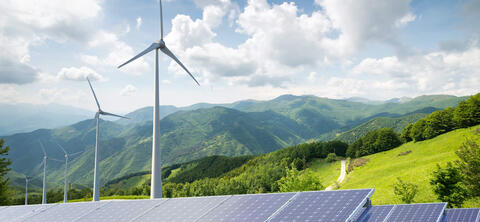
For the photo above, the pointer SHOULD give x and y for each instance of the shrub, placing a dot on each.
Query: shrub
(405, 191)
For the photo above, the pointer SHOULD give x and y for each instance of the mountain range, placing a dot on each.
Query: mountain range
(189, 133)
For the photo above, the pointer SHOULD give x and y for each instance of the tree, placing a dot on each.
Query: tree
(406, 133)
(331, 157)
(405, 191)
(416, 133)
(469, 164)
(438, 122)
(447, 185)
(295, 180)
(4, 163)
(467, 112)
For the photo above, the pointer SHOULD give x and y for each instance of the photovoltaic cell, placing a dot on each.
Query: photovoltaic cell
(375, 213)
(324, 205)
(19, 213)
(181, 209)
(121, 210)
(254, 207)
(66, 212)
(417, 212)
(464, 215)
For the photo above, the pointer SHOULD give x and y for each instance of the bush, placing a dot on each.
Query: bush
(295, 180)
(405, 191)
(447, 185)
(331, 157)
(469, 164)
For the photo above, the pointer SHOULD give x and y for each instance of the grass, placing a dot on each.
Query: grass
(383, 168)
(327, 172)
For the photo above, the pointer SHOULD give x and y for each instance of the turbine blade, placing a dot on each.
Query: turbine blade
(73, 154)
(171, 55)
(61, 147)
(150, 48)
(95, 96)
(43, 148)
(161, 20)
(111, 114)
(55, 160)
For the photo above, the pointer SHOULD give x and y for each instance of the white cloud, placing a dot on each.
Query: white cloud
(78, 74)
(166, 81)
(139, 23)
(25, 23)
(405, 20)
(128, 90)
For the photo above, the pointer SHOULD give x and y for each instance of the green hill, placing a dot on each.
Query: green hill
(382, 169)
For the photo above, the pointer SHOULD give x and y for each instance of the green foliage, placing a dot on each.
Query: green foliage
(438, 122)
(405, 191)
(468, 112)
(295, 180)
(469, 164)
(447, 185)
(4, 163)
(406, 133)
(375, 141)
(331, 157)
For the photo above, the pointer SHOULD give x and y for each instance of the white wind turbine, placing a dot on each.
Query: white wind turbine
(96, 188)
(156, 183)
(65, 191)
(45, 158)
(27, 178)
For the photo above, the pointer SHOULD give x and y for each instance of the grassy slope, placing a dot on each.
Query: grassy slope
(383, 168)
(327, 172)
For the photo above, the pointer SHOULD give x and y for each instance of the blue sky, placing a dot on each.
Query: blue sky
(237, 49)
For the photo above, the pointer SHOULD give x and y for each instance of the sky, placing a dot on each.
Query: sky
(255, 49)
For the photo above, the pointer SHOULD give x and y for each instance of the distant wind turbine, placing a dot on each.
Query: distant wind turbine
(45, 158)
(27, 178)
(96, 188)
(156, 183)
(65, 191)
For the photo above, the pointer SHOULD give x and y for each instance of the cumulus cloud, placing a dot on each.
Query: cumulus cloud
(24, 24)
(128, 90)
(78, 74)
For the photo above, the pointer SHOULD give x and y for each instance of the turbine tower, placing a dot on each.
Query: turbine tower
(156, 183)
(96, 188)
(27, 178)
(45, 158)
(65, 191)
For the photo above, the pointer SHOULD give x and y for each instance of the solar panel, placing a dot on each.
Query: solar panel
(251, 207)
(121, 210)
(66, 212)
(181, 209)
(417, 212)
(339, 205)
(465, 215)
(19, 213)
(375, 213)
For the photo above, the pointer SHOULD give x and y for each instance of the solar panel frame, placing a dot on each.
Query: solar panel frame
(66, 211)
(248, 207)
(375, 213)
(18, 213)
(402, 212)
(317, 205)
(121, 210)
(187, 208)
(462, 214)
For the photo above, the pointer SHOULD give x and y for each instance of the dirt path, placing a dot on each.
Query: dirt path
(341, 177)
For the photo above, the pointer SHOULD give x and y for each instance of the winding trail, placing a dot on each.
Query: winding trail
(341, 177)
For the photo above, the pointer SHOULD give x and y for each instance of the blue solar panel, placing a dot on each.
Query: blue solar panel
(121, 210)
(66, 212)
(375, 213)
(340, 205)
(464, 215)
(19, 213)
(254, 207)
(181, 209)
(417, 212)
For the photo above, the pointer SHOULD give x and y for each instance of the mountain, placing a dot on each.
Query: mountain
(17, 118)
(246, 128)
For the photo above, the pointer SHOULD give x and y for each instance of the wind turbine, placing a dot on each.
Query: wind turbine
(65, 198)
(45, 158)
(27, 178)
(96, 188)
(156, 183)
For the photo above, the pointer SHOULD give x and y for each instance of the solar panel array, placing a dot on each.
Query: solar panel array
(341, 205)
(465, 215)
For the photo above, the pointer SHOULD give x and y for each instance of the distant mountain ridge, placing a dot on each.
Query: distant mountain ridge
(241, 128)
